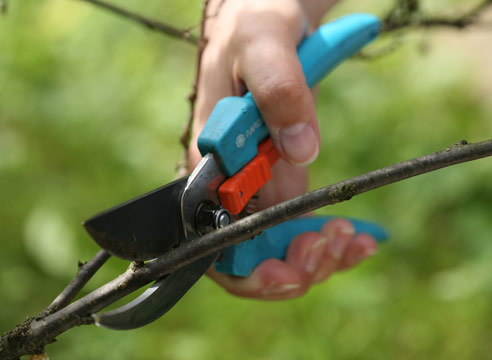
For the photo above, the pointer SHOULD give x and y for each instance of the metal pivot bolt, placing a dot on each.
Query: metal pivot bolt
(211, 217)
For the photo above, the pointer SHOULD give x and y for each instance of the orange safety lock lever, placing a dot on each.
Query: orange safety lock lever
(237, 190)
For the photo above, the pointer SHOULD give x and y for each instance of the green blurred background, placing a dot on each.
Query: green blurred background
(91, 109)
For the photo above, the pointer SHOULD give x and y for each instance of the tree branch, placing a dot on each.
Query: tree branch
(183, 167)
(84, 274)
(407, 14)
(34, 334)
(185, 137)
(147, 22)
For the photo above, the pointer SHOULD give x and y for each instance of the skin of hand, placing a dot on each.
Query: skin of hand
(252, 45)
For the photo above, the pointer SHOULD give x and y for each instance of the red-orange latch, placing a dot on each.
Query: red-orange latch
(236, 191)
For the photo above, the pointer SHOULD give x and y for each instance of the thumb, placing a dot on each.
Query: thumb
(272, 72)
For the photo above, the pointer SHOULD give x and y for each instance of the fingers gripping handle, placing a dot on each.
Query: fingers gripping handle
(241, 259)
(235, 128)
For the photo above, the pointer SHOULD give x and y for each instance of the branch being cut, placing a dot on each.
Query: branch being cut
(34, 334)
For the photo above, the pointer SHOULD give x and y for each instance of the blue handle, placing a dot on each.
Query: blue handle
(241, 259)
(235, 127)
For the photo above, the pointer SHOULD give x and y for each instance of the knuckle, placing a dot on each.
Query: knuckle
(294, 18)
(273, 93)
(243, 37)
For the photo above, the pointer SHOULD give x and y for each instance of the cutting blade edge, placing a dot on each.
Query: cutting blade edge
(142, 228)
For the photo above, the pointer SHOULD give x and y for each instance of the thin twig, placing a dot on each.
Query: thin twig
(84, 274)
(183, 166)
(390, 23)
(147, 22)
(413, 18)
(389, 48)
(202, 43)
(34, 334)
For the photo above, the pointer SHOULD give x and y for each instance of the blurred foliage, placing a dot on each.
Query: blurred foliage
(91, 109)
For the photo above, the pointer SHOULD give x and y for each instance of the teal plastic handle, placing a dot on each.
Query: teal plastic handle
(241, 259)
(235, 128)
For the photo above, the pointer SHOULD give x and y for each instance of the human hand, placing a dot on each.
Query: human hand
(252, 45)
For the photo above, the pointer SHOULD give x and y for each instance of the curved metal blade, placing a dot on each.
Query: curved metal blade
(156, 300)
(165, 293)
(142, 228)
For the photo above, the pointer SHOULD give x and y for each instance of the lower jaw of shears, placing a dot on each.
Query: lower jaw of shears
(157, 300)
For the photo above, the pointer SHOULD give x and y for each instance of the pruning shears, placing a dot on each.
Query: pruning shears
(237, 157)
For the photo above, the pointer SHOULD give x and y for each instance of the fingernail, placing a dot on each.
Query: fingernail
(314, 255)
(299, 143)
(280, 289)
(357, 256)
(340, 241)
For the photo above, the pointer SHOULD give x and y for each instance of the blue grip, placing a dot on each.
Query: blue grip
(235, 127)
(241, 259)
